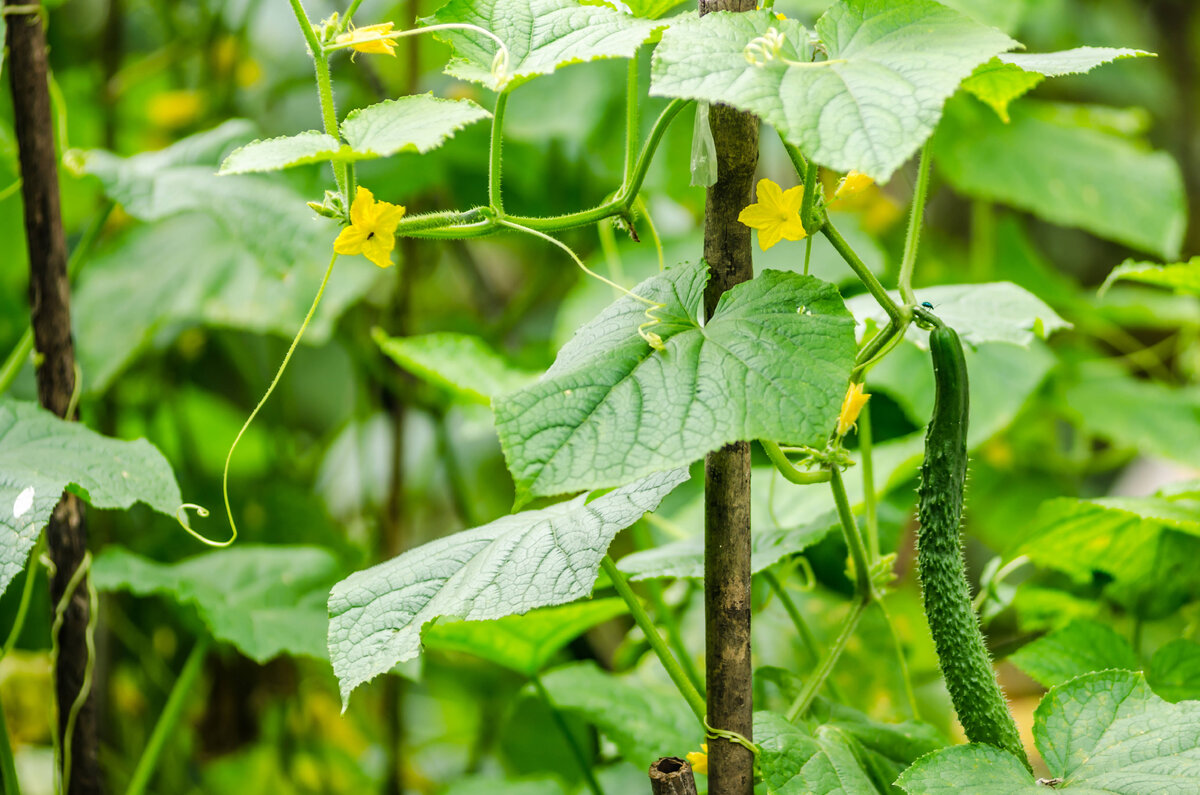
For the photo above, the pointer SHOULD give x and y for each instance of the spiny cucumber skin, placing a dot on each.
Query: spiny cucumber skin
(962, 654)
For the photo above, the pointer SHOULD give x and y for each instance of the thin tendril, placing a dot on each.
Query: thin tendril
(652, 339)
(312, 310)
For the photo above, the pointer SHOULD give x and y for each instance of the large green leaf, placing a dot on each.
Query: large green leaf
(220, 282)
(772, 363)
(1064, 171)
(41, 455)
(541, 36)
(415, 123)
(1081, 647)
(1174, 671)
(783, 747)
(685, 558)
(869, 106)
(1181, 277)
(1146, 416)
(837, 769)
(995, 312)
(507, 567)
(1100, 733)
(265, 600)
(1118, 535)
(644, 722)
(462, 363)
(523, 643)
(1010, 75)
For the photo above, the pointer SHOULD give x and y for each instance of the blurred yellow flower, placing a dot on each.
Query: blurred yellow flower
(776, 215)
(851, 184)
(372, 230)
(699, 760)
(852, 406)
(366, 39)
(174, 109)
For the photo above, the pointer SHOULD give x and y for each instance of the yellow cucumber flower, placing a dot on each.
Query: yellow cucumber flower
(366, 39)
(851, 184)
(372, 230)
(776, 215)
(699, 760)
(852, 406)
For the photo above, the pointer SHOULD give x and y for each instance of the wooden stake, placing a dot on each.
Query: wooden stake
(727, 471)
(49, 300)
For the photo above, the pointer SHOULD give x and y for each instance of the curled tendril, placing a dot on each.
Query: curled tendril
(202, 512)
(652, 339)
(764, 48)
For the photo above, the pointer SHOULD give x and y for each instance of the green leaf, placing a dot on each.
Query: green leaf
(644, 721)
(869, 106)
(976, 768)
(1087, 183)
(221, 282)
(264, 600)
(1010, 75)
(1077, 61)
(685, 558)
(1174, 672)
(541, 36)
(980, 313)
(1078, 648)
(1100, 733)
(1182, 277)
(837, 769)
(1108, 731)
(42, 455)
(1147, 416)
(772, 363)
(783, 747)
(286, 151)
(1119, 535)
(417, 123)
(461, 363)
(507, 567)
(997, 84)
(523, 643)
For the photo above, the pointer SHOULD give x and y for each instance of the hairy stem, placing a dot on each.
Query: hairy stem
(690, 694)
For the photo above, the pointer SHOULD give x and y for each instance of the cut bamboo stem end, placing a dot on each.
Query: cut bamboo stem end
(672, 776)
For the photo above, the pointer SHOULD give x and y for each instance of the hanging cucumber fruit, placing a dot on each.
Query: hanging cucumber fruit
(961, 651)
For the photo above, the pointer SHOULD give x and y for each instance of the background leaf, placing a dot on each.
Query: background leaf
(462, 363)
(264, 600)
(524, 644)
(1087, 185)
(1080, 647)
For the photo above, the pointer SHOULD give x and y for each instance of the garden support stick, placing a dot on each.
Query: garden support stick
(728, 671)
(49, 299)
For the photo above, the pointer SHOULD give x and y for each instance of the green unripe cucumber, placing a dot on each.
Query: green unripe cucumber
(961, 651)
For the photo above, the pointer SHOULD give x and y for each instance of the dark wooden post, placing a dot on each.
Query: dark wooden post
(49, 300)
(672, 776)
(727, 471)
